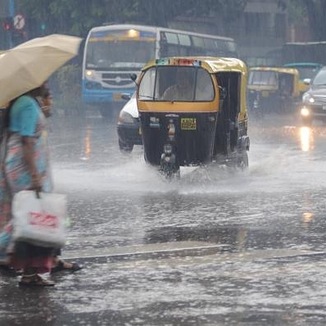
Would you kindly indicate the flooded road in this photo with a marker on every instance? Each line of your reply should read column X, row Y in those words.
column 211, row 249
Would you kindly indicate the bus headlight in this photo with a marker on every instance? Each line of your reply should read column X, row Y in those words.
column 89, row 73
column 305, row 112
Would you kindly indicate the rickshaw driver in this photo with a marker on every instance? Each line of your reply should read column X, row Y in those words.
column 183, row 89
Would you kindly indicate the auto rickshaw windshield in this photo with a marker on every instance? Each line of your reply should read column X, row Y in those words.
column 170, row 83
column 262, row 78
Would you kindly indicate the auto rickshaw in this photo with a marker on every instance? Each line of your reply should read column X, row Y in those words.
column 193, row 112
column 273, row 90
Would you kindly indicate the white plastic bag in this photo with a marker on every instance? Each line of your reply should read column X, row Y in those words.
column 40, row 221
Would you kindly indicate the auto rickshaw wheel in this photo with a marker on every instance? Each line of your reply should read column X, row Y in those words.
column 243, row 161
column 169, row 168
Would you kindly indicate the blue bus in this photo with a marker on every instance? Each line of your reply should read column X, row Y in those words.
column 113, row 52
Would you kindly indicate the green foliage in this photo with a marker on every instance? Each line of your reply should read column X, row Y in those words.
column 76, row 17
column 314, row 11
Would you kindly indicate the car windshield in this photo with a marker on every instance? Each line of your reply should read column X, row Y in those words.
column 320, row 78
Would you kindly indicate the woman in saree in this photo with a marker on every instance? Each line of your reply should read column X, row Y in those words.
column 26, row 167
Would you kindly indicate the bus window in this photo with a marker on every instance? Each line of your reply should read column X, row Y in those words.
column 184, row 40
column 230, row 46
column 198, row 42
column 209, row 44
column 172, row 50
column 170, row 45
column 172, row 38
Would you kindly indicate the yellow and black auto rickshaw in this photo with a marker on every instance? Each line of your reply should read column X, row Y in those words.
column 193, row 112
column 273, row 90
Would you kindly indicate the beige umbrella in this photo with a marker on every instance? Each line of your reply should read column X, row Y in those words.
column 30, row 64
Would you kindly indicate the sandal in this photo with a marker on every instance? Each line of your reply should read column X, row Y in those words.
column 62, row 267
column 34, row 280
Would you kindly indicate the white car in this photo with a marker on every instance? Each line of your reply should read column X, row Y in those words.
column 128, row 126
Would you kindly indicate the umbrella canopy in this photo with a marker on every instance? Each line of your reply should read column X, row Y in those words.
column 30, row 64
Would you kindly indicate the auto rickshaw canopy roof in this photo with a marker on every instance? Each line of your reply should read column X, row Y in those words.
column 282, row 70
column 211, row 64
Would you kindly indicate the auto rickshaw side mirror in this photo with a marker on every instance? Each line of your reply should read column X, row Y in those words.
column 133, row 77
column 223, row 93
column 307, row 81
column 125, row 96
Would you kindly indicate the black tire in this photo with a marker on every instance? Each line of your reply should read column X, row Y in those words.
column 171, row 171
column 243, row 161
column 125, row 147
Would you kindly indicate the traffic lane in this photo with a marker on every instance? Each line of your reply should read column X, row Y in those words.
column 285, row 204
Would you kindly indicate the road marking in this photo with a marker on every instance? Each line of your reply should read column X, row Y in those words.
column 184, row 249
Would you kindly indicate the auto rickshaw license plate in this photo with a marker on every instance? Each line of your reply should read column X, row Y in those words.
column 188, row 124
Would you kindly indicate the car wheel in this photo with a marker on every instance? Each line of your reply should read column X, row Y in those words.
column 125, row 147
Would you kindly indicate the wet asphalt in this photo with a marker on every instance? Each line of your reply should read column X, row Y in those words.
column 211, row 249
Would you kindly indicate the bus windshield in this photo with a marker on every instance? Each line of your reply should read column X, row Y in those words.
column 103, row 55
column 110, row 51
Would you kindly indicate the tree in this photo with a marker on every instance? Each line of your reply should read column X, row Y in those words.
column 315, row 11
column 78, row 16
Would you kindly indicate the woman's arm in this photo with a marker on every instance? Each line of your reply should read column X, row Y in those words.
column 28, row 150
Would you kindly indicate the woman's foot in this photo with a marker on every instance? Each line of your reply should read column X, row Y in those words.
column 34, row 280
column 65, row 266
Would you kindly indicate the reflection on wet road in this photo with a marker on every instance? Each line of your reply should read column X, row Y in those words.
column 266, row 228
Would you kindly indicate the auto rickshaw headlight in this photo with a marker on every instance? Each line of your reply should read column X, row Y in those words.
column 305, row 112
column 167, row 149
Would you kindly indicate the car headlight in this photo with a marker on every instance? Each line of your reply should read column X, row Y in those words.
column 307, row 98
column 305, row 112
column 125, row 118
